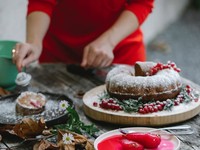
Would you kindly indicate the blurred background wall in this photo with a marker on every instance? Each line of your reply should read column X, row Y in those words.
column 13, row 14
column 12, row 19
column 165, row 13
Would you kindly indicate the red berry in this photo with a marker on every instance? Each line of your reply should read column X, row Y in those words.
column 158, row 65
column 187, row 86
column 110, row 101
column 163, row 103
column 176, row 102
column 111, row 106
column 116, row 107
column 141, row 110
column 104, row 104
column 181, row 100
column 146, row 109
column 188, row 91
column 155, row 108
column 151, row 109
column 95, row 104
column 154, row 71
column 172, row 64
column 160, row 107
column 165, row 67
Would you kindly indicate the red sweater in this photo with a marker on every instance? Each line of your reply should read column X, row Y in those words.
column 75, row 23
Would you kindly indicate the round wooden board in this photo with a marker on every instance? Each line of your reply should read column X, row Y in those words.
column 177, row 114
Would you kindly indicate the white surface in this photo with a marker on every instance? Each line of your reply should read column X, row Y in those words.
column 12, row 19
column 165, row 12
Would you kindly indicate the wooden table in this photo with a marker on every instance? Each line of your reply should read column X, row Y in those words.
column 55, row 78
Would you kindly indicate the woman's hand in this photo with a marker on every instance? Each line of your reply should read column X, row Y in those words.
column 26, row 53
column 98, row 54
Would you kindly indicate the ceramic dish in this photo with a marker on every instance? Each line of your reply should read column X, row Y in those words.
column 52, row 115
column 168, row 142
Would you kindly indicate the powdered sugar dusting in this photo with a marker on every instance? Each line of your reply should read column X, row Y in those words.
column 121, row 69
column 9, row 115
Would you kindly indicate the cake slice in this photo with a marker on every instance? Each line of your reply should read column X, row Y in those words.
column 29, row 103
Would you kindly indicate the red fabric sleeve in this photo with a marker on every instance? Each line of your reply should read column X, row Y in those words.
column 141, row 8
column 45, row 6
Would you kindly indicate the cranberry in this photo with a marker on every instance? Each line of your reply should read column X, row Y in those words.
column 188, row 91
column 146, row 109
column 110, row 100
column 104, row 104
column 173, row 65
column 151, row 109
column 142, row 111
column 188, row 87
column 155, row 108
column 160, row 107
column 176, row 102
column 163, row 103
column 95, row 104
column 181, row 100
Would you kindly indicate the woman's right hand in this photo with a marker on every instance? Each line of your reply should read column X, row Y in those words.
column 26, row 53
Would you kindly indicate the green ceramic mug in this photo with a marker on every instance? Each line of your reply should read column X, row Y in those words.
column 8, row 70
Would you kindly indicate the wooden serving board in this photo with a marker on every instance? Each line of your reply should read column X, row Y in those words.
column 178, row 114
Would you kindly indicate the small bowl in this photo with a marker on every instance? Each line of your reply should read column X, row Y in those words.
column 8, row 70
column 166, row 138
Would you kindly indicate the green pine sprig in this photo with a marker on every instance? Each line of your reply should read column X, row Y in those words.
column 74, row 124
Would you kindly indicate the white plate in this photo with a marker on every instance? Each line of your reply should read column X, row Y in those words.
column 170, row 138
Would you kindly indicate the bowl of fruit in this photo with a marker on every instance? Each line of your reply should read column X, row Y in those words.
column 138, row 138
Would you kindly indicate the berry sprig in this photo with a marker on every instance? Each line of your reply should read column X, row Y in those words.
column 186, row 95
column 160, row 66
column 110, row 104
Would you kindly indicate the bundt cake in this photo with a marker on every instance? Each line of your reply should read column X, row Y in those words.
column 145, row 81
column 29, row 103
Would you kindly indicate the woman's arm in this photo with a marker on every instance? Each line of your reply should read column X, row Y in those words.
column 131, row 18
column 99, row 53
column 37, row 25
column 38, row 19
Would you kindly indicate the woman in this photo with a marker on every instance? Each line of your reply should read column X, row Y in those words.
column 94, row 33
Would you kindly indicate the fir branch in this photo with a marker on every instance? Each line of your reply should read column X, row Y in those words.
column 76, row 125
